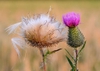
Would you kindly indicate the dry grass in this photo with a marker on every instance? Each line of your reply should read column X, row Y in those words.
column 12, row 11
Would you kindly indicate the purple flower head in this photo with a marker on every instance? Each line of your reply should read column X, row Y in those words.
column 71, row 19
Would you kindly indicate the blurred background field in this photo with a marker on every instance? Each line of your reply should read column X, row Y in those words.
column 12, row 11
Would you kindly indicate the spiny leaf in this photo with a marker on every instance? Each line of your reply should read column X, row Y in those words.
column 51, row 52
column 48, row 52
column 73, row 69
column 70, row 55
column 45, row 55
column 55, row 51
column 71, row 64
column 82, row 48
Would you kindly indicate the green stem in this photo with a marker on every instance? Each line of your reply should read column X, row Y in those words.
column 76, row 59
column 43, row 58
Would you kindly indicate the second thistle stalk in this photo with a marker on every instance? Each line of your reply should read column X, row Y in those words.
column 76, row 58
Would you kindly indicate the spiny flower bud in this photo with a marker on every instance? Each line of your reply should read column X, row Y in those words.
column 75, row 37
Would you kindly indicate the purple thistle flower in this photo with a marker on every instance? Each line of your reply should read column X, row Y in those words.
column 71, row 19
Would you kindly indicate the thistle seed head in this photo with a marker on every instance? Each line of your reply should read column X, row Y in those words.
column 42, row 31
column 39, row 31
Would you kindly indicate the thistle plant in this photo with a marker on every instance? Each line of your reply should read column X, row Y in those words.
column 75, row 37
column 41, row 31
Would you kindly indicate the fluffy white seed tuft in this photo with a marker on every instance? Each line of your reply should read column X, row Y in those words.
column 13, row 28
column 18, row 42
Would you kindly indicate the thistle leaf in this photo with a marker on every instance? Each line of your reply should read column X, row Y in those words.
column 70, row 62
column 51, row 52
column 73, row 69
column 47, row 53
column 55, row 51
column 70, row 55
column 82, row 48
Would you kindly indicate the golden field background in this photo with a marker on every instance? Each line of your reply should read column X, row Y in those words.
column 12, row 11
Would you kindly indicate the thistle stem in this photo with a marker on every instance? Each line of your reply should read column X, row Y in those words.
column 76, row 59
column 43, row 58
